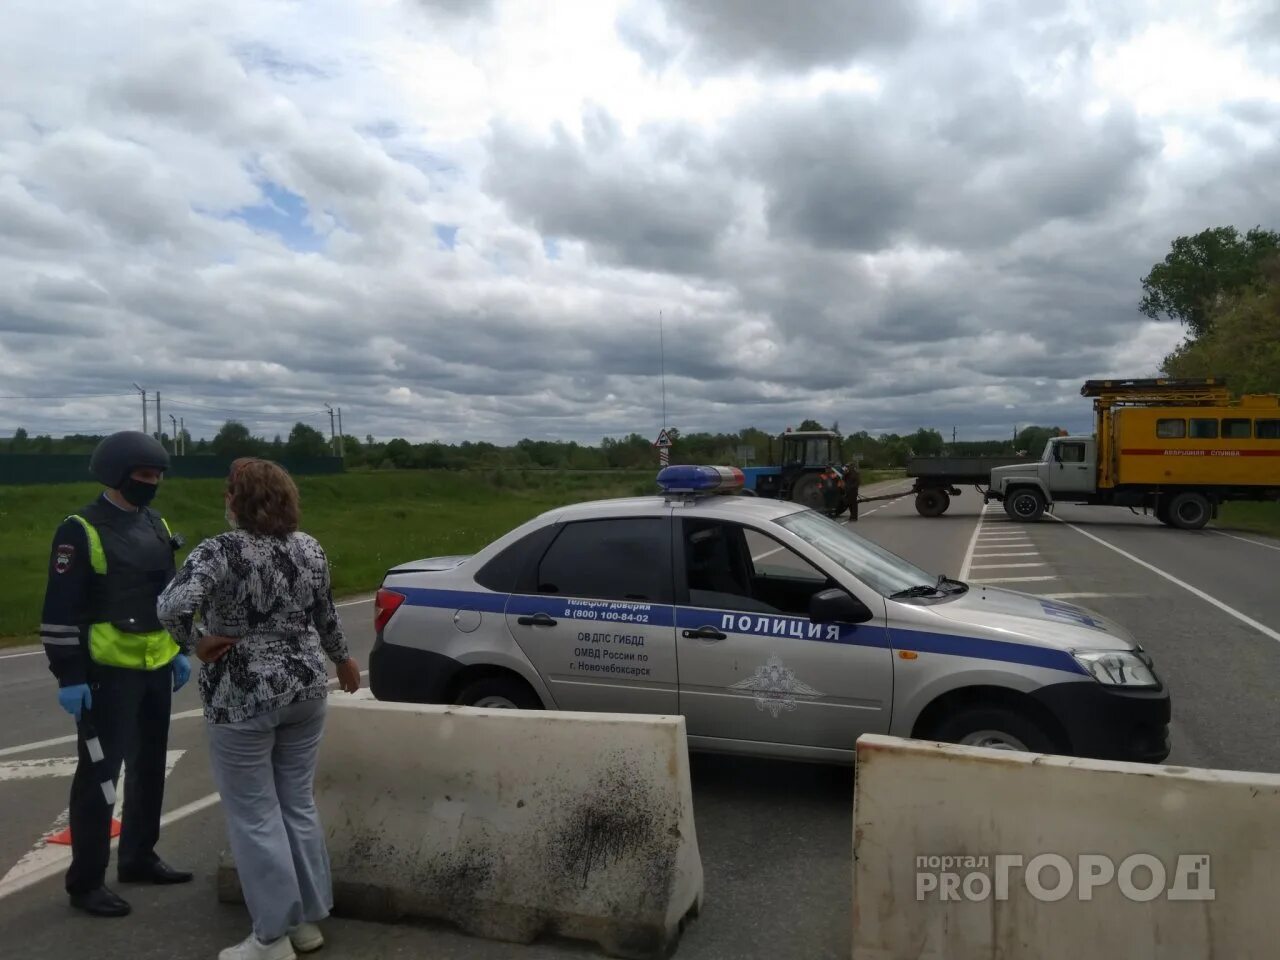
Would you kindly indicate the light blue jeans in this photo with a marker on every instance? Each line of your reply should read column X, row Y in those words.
column 265, row 770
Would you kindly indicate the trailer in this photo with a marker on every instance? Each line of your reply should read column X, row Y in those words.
column 938, row 479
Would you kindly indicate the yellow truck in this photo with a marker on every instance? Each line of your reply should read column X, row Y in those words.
column 1175, row 448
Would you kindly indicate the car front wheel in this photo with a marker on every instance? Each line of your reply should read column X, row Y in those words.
column 995, row 727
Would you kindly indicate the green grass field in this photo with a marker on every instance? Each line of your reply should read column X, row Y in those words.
column 1256, row 517
column 366, row 522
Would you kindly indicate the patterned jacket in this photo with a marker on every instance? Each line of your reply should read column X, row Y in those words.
column 273, row 595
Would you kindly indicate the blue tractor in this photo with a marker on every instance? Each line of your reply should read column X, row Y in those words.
column 810, row 472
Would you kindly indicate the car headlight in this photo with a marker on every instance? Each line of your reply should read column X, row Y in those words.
column 1117, row 668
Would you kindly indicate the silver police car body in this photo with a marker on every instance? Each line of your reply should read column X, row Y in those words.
column 776, row 631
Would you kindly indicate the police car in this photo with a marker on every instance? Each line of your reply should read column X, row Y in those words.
column 775, row 630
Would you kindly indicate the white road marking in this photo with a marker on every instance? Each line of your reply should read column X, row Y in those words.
column 1001, row 535
column 1256, row 543
column 45, row 858
column 1013, row 579
column 36, row 653
column 15, row 656
column 1004, row 566
column 887, row 503
column 1195, row 591
column 36, row 769
column 973, row 542
column 34, row 873
column 987, row 556
column 58, row 741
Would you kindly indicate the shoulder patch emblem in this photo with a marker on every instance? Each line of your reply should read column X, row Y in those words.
column 63, row 557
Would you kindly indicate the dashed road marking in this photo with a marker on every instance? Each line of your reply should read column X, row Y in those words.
column 988, row 556
column 1003, row 566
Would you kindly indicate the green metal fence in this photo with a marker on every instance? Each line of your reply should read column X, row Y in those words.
column 39, row 468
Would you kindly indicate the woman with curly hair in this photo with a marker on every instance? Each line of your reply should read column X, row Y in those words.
column 268, row 621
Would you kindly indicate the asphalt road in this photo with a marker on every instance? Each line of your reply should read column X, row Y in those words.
column 775, row 837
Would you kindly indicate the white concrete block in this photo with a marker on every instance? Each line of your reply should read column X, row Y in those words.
column 510, row 824
column 915, row 799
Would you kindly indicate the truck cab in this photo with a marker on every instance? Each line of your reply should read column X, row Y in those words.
column 1067, row 471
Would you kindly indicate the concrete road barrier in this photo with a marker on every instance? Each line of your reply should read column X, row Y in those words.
column 965, row 853
column 511, row 824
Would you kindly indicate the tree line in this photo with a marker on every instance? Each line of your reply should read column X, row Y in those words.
column 633, row 452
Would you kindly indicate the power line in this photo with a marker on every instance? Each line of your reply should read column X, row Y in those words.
column 72, row 396
column 275, row 413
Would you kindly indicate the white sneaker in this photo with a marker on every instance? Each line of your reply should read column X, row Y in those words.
column 306, row 937
column 251, row 948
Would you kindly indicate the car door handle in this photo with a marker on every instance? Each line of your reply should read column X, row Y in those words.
column 537, row 620
column 704, row 633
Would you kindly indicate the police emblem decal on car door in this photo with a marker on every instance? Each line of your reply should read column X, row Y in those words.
column 775, row 687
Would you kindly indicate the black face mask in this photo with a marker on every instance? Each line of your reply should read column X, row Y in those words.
column 138, row 493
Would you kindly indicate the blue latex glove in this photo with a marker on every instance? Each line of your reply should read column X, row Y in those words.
column 75, row 698
column 181, row 672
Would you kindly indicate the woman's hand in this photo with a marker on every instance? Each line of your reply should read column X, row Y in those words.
column 210, row 648
column 349, row 675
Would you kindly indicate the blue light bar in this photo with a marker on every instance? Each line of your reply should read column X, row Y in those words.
column 695, row 479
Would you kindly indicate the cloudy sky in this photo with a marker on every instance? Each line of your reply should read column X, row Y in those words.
column 460, row 219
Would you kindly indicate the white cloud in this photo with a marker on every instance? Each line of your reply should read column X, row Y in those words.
column 460, row 220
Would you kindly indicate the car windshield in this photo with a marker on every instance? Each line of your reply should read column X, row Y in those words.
column 882, row 571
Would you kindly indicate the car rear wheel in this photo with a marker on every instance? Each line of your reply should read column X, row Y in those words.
column 1189, row 511
column 995, row 727
column 498, row 693
column 1026, row 504
column 932, row 503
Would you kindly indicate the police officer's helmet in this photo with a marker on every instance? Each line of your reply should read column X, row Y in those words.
column 121, row 453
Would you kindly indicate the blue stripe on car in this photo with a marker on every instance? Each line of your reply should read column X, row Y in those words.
column 639, row 613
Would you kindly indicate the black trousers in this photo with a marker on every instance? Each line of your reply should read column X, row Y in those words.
column 130, row 714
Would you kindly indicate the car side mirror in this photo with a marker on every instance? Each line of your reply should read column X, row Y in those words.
column 838, row 606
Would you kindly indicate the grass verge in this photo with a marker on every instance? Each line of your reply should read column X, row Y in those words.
column 1253, row 517
column 366, row 522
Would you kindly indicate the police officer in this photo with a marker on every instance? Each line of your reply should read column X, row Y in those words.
column 116, row 667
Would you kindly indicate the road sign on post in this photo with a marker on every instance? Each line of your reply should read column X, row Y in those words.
column 663, row 443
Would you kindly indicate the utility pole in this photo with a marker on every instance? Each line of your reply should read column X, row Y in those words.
column 159, row 420
column 953, row 435
column 174, row 421
column 144, row 406
column 342, row 442
column 333, row 440
column 182, row 432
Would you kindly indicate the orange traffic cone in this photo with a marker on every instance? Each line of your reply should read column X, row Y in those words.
column 63, row 836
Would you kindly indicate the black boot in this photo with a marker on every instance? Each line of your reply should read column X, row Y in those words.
column 100, row 903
